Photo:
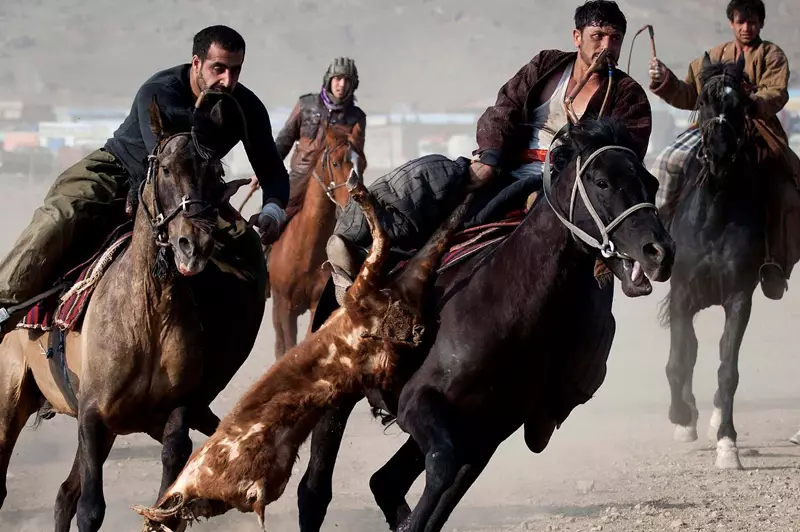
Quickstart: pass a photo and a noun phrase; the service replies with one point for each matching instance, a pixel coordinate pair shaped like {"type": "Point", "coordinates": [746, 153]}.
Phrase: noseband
{"type": "Point", "coordinates": [606, 246]}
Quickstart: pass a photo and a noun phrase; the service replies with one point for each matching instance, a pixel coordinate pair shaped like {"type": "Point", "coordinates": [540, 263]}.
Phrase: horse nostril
{"type": "Point", "coordinates": [654, 251]}
{"type": "Point", "coordinates": [186, 246]}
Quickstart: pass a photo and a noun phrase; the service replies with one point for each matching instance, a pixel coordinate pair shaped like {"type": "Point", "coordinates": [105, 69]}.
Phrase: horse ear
{"type": "Point", "coordinates": [706, 60]}
{"type": "Point", "coordinates": [156, 122]}
{"type": "Point", "coordinates": [216, 114]}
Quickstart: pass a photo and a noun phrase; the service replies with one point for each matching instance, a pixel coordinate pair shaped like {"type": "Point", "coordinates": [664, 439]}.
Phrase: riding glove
{"type": "Point", "coordinates": [270, 222]}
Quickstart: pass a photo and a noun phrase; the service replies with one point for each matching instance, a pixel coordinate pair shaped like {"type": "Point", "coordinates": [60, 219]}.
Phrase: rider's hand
{"type": "Point", "coordinates": [270, 222]}
{"type": "Point", "coordinates": [658, 71]}
{"type": "Point", "coordinates": [479, 175]}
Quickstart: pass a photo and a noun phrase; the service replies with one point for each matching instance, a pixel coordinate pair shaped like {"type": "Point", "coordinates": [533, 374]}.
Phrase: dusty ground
{"type": "Point", "coordinates": [613, 466]}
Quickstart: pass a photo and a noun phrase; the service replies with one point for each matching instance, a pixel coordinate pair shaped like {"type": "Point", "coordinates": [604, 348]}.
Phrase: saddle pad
{"type": "Point", "coordinates": [65, 310]}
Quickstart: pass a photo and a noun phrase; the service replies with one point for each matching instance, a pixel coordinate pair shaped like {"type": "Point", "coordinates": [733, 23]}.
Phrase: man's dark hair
{"type": "Point", "coordinates": [747, 9]}
{"type": "Point", "coordinates": [226, 38]}
{"type": "Point", "coordinates": [600, 13]}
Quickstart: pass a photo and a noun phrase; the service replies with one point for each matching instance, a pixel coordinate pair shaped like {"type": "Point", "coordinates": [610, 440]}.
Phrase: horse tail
{"type": "Point", "coordinates": [663, 310]}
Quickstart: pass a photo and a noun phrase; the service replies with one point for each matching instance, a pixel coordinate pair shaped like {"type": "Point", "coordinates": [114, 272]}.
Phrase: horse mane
{"type": "Point", "coordinates": [589, 135]}
{"type": "Point", "coordinates": [297, 195]}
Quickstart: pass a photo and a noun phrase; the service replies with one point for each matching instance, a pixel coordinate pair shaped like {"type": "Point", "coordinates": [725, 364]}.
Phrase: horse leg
{"type": "Point", "coordinates": [680, 368]}
{"type": "Point", "coordinates": [315, 491]}
{"type": "Point", "coordinates": [176, 448]}
{"type": "Point", "coordinates": [203, 420]}
{"type": "Point", "coordinates": [467, 475]}
{"type": "Point", "coordinates": [94, 443]}
{"type": "Point", "coordinates": [737, 316]}
{"type": "Point", "coordinates": [423, 417]}
{"type": "Point", "coordinates": [284, 321]}
{"type": "Point", "coordinates": [19, 398]}
{"type": "Point", "coordinates": [390, 484]}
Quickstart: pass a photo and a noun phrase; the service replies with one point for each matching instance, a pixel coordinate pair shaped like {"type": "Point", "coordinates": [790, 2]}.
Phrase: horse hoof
{"type": "Point", "coordinates": [727, 455]}
{"type": "Point", "coordinates": [685, 434]}
{"type": "Point", "coordinates": [714, 423]}
{"type": "Point", "coordinates": [796, 438]}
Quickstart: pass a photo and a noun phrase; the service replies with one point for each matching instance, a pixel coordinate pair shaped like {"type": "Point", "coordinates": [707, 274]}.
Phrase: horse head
{"type": "Point", "coordinates": [615, 213]}
{"type": "Point", "coordinates": [339, 160]}
{"type": "Point", "coordinates": [721, 113]}
{"type": "Point", "coordinates": [183, 190]}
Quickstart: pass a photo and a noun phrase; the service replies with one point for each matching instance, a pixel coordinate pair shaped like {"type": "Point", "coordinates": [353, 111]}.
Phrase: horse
{"type": "Point", "coordinates": [522, 337]}
{"type": "Point", "coordinates": [159, 339]}
{"type": "Point", "coordinates": [718, 221]}
{"type": "Point", "coordinates": [296, 260]}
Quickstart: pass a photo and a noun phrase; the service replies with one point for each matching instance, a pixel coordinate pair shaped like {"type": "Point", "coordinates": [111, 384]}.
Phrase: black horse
{"type": "Point", "coordinates": [522, 338]}
{"type": "Point", "coordinates": [718, 222]}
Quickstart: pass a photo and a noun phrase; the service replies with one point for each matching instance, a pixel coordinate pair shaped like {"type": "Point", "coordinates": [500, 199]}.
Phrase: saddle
{"type": "Point", "coordinates": [65, 308]}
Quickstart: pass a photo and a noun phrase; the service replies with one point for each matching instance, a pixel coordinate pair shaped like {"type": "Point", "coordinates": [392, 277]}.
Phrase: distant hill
{"type": "Point", "coordinates": [428, 54]}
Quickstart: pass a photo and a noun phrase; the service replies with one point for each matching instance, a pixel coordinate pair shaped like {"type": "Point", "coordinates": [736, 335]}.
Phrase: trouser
{"type": "Point", "coordinates": [84, 203]}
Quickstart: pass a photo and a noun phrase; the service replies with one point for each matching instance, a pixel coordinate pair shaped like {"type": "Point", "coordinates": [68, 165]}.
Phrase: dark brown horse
{"type": "Point", "coordinates": [296, 271]}
{"type": "Point", "coordinates": [718, 221]}
{"type": "Point", "coordinates": [155, 347]}
{"type": "Point", "coordinates": [523, 334]}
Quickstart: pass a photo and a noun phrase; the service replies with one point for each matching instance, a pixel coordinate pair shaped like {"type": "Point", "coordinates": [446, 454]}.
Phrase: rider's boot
{"type": "Point", "coordinates": [344, 260]}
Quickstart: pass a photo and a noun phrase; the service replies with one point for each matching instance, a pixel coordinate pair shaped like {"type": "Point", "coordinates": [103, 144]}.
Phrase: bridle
{"type": "Point", "coordinates": [606, 246]}
{"type": "Point", "coordinates": [718, 83]}
{"type": "Point", "coordinates": [159, 218]}
{"type": "Point", "coordinates": [331, 186]}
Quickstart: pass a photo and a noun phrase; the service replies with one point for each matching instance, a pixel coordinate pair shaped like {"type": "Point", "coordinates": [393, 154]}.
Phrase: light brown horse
{"type": "Point", "coordinates": [296, 271]}
{"type": "Point", "coordinates": [163, 333]}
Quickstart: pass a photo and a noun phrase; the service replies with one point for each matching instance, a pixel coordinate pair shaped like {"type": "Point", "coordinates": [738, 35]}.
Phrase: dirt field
{"type": "Point", "coordinates": [613, 466]}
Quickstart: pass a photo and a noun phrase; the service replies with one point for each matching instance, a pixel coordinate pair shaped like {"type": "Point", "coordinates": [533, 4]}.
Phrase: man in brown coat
{"type": "Point", "coordinates": [512, 135]}
{"type": "Point", "coordinates": [767, 69]}
{"type": "Point", "coordinates": [334, 104]}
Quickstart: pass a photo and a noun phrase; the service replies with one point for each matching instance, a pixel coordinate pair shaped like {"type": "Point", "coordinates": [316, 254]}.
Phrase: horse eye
{"type": "Point", "coordinates": [336, 165]}
{"type": "Point", "coordinates": [165, 170]}
{"type": "Point", "coordinates": [602, 184]}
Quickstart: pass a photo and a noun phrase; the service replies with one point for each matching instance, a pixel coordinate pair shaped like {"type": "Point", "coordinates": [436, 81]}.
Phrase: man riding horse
{"type": "Point", "coordinates": [767, 70]}
{"type": "Point", "coordinates": [89, 198]}
{"type": "Point", "coordinates": [513, 137]}
{"type": "Point", "coordinates": [314, 112]}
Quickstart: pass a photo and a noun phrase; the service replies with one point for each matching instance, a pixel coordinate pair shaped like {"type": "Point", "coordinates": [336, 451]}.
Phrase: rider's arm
{"type": "Point", "coordinates": [500, 121]}
{"type": "Point", "coordinates": [632, 108]}
{"type": "Point", "coordinates": [290, 133]}
{"type": "Point", "coordinates": [771, 93]}
{"type": "Point", "coordinates": [677, 93]}
{"type": "Point", "coordinates": [263, 154]}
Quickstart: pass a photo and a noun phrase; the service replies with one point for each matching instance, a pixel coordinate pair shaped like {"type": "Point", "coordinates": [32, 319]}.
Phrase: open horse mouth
{"type": "Point", "coordinates": [635, 281]}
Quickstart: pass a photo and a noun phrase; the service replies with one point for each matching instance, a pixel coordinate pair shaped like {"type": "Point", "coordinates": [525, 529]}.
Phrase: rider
{"type": "Point", "coordinates": [314, 112]}
{"type": "Point", "coordinates": [87, 199]}
{"type": "Point", "coordinates": [513, 136]}
{"type": "Point", "coordinates": [767, 69]}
